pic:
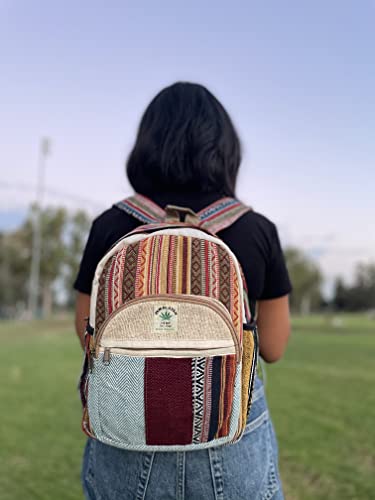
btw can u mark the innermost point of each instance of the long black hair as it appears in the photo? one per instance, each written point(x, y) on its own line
point(186, 141)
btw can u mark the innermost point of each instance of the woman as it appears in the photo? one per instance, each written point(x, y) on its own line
point(187, 153)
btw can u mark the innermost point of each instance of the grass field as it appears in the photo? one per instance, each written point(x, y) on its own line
point(322, 399)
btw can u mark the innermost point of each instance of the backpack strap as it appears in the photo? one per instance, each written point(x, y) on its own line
point(214, 218)
point(142, 208)
point(222, 214)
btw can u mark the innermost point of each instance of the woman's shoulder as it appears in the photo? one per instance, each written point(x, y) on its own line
point(110, 214)
point(255, 221)
point(112, 224)
point(252, 235)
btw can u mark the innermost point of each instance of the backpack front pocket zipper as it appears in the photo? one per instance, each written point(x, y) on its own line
point(170, 353)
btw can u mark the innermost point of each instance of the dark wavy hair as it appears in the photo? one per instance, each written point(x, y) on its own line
point(186, 141)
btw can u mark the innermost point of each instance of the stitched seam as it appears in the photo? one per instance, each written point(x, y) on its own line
point(90, 476)
point(263, 417)
point(217, 479)
point(273, 486)
point(180, 477)
point(145, 475)
point(257, 394)
point(272, 483)
point(97, 495)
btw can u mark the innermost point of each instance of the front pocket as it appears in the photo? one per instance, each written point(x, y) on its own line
point(166, 371)
point(161, 321)
point(249, 359)
point(143, 401)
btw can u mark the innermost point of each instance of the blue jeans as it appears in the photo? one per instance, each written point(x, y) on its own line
point(244, 470)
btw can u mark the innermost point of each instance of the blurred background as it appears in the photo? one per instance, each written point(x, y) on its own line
point(298, 79)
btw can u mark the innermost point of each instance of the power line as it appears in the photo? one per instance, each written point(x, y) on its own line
point(20, 186)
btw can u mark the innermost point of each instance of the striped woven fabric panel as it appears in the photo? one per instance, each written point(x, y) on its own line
point(142, 208)
point(222, 214)
point(188, 400)
point(169, 264)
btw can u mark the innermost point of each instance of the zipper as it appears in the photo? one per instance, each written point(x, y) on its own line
point(216, 306)
point(107, 356)
point(155, 352)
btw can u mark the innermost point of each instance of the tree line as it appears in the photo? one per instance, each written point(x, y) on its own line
point(64, 236)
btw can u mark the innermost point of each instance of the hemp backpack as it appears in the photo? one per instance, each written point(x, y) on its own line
point(170, 346)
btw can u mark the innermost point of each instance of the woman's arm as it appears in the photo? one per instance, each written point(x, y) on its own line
point(82, 312)
point(273, 327)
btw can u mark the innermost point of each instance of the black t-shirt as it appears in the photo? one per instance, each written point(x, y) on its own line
point(253, 239)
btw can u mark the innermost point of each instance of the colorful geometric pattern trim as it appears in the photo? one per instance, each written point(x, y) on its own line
point(142, 208)
point(214, 218)
point(198, 369)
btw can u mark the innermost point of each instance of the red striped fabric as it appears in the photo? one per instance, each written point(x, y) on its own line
point(168, 401)
point(230, 372)
point(184, 265)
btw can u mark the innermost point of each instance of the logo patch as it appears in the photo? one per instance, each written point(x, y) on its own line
point(165, 319)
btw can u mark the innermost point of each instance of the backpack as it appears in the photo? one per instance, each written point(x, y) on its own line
point(171, 345)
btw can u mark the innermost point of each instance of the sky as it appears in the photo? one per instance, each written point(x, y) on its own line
point(297, 77)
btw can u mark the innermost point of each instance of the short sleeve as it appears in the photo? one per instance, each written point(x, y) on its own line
point(277, 282)
point(94, 251)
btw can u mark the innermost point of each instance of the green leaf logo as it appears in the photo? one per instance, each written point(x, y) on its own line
point(165, 316)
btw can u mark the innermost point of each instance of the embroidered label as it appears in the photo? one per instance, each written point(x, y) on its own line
point(165, 319)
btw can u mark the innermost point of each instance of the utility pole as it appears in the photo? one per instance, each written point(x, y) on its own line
point(44, 151)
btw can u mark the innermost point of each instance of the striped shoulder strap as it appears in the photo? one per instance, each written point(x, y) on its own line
point(142, 208)
point(214, 218)
point(222, 214)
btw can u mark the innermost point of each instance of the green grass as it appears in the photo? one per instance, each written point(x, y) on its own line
point(41, 442)
point(321, 395)
point(322, 399)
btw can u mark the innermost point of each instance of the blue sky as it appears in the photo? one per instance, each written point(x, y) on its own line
point(298, 78)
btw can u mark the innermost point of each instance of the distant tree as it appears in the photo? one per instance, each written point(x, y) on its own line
point(53, 251)
point(77, 230)
point(360, 296)
point(63, 237)
point(307, 280)
point(340, 295)
point(14, 271)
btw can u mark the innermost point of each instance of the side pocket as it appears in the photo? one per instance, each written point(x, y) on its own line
point(249, 360)
point(84, 372)
point(83, 385)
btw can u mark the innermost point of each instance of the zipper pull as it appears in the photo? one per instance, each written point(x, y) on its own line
point(107, 356)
